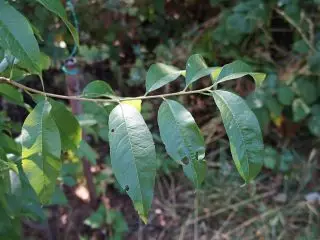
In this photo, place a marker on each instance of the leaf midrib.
(238, 126)
(135, 165)
(188, 146)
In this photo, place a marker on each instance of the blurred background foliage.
(120, 39)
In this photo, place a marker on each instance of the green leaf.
(271, 157)
(274, 106)
(238, 69)
(11, 93)
(17, 36)
(306, 89)
(133, 156)
(314, 121)
(300, 110)
(197, 68)
(314, 63)
(243, 131)
(160, 74)
(41, 150)
(196, 171)
(85, 150)
(57, 8)
(285, 95)
(97, 218)
(97, 88)
(9, 145)
(68, 125)
(58, 197)
(183, 139)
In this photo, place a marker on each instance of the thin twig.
(252, 220)
(299, 30)
(233, 206)
(115, 99)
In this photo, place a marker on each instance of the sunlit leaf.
(134, 103)
(41, 150)
(17, 36)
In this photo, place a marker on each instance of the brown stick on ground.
(74, 89)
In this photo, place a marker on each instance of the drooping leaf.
(196, 170)
(133, 156)
(183, 139)
(97, 88)
(69, 127)
(244, 133)
(160, 74)
(41, 149)
(57, 8)
(17, 36)
(238, 69)
(11, 93)
(300, 110)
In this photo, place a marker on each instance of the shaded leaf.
(238, 69)
(285, 95)
(17, 36)
(133, 156)
(57, 8)
(160, 74)
(85, 150)
(41, 149)
(197, 68)
(300, 110)
(183, 139)
(58, 197)
(11, 93)
(9, 145)
(97, 88)
(243, 131)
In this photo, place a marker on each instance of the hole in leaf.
(126, 188)
(112, 130)
(185, 161)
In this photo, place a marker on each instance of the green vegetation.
(184, 88)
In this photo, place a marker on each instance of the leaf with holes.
(160, 74)
(182, 138)
(57, 8)
(243, 131)
(17, 36)
(41, 150)
(238, 69)
(133, 156)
